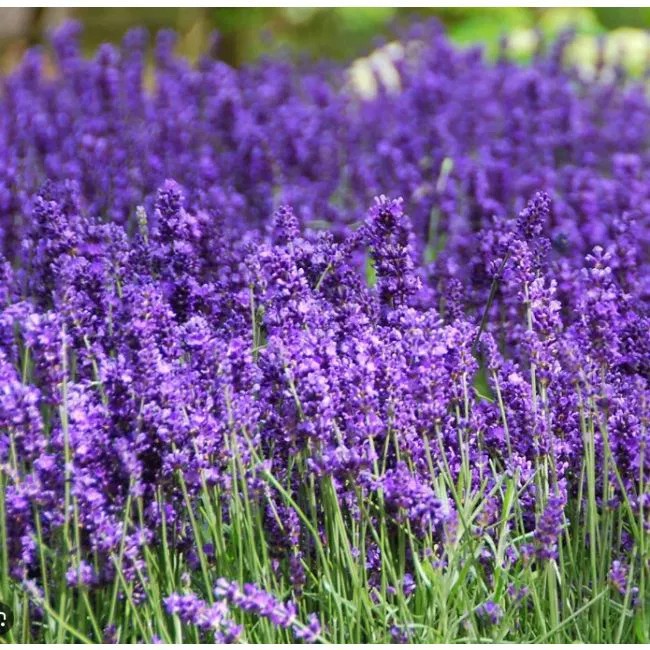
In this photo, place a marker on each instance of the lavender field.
(287, 360)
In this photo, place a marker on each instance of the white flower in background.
(378, 70)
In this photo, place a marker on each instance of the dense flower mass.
(266, 373)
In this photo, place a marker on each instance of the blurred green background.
(335, 32)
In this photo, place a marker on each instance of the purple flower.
(387, 233)
(191, 609)
(110, 634)
(311, 632)
(400, 634)
(618, 576)
(489, 612)
(550, 527)
(82, 575)
(256, 601)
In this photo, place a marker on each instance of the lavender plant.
(263, 402)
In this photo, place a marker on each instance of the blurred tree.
(342, 32)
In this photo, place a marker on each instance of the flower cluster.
(191, 609)
(262, 331)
